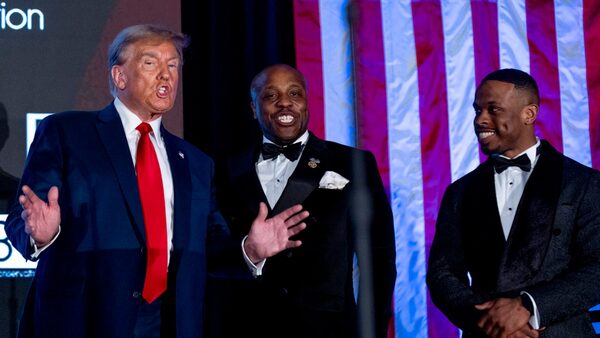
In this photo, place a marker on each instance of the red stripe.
(371, 102)
(309, 59)
(591, 33)
(435, 148)
(541, 35)
(484, 15)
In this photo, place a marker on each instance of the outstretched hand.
(268, 237)
(41, 219)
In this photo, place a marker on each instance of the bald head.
(258, 82)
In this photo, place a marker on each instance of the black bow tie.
(292, 151)
(501, 163)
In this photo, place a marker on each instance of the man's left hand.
(503, 317)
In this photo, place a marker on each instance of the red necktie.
(153, 207)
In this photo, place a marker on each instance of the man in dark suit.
(517, 246)
(118, 210)
(306, 291)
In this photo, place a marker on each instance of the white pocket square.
(333, 180)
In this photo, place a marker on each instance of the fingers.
(53, 196)
(263, 211)
(287, 213)
(485, 306)
(293, 244)
(292, 231)
(294, 220)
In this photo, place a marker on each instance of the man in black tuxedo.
(306, 291)
(524, 225)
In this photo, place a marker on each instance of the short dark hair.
(133, 34)
(519, 78)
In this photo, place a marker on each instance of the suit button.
(289, 254)
(142, 250)
(556, 232)
(136, 294)
(284, 291)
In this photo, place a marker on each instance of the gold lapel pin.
(312, 163)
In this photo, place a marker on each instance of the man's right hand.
(41, 219)
(268, 237)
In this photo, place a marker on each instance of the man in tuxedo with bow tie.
(516, 251)
(307, 291)
(119, 212)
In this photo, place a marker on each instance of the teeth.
(285, 118)
(485, 134)
(162, 90)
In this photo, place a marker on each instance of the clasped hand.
(505, 318)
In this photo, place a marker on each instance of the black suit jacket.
(552, 251)
(307, 291)
(89, 281)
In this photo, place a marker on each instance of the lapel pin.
(312, 163)
(181, 154)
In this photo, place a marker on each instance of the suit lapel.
(305, 178)
(180, 173)
(112, 135)
(532, 228)
(245, 182)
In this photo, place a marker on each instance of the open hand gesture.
(41, 219)
(268, 237)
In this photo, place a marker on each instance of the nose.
(481, 119)
(164, 73)
(284, 101)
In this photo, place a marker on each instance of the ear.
(118, 77)
(530, 113)
(253, 106)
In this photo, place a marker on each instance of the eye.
(149, 63)
(269, 96)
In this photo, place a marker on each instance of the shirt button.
(136, 294)
(509, 209)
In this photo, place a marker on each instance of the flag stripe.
(485, 42)
(591, 24)
(460, 72)
(512, 35)
(371, 110)
(433, 110)
(406, 177)
(573, 87)
(340, 123)
(544, 62)
(309, 59)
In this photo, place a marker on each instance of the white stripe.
(574, 103)
(340, 123)
(406, 177)
(512, 35)
(460, 76)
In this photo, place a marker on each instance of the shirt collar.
(532, 152)
(303, 139)
(131, 121)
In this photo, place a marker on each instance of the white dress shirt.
(510, 185)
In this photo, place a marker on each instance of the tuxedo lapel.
(245, 182)
(305, 179)
(532, 228)
(180, 173)
(112, 135)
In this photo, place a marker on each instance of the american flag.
(398, 77)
